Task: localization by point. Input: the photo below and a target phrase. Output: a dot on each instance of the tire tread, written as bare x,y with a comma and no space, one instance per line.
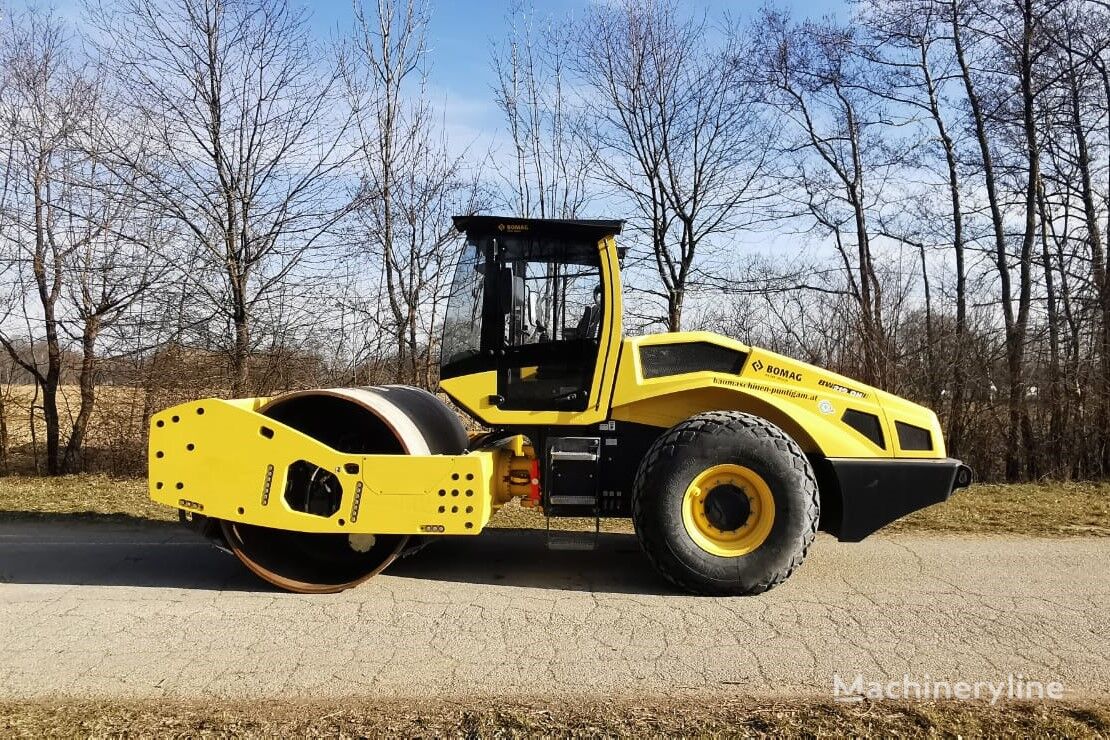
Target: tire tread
692,432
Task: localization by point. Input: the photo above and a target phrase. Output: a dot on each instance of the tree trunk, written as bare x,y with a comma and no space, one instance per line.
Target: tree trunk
48,286
868,298
50,421
1019,414
674,309
6,406
955,433
1098,273
1056,451
5,441
1014,337
932,373
240,356
874,339
74,459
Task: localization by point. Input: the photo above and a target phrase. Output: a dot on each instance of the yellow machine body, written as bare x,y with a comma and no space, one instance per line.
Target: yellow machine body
474,391
875,456
805,401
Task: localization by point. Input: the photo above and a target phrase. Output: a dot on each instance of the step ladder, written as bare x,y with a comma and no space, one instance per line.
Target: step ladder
572,474
561,539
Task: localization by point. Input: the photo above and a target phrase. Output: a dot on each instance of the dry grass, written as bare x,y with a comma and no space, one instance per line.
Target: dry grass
79,496
516,718
1050,509
1041,509
116,433
112,403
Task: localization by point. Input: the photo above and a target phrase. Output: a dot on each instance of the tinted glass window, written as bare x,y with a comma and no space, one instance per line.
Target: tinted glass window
554,301
462,324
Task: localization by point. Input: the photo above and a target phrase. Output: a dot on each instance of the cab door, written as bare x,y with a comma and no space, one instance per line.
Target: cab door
551,329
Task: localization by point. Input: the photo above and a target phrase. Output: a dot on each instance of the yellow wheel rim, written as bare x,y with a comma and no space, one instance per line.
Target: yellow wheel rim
728,510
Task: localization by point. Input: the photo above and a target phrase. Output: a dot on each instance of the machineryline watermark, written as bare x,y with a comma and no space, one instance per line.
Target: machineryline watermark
926,688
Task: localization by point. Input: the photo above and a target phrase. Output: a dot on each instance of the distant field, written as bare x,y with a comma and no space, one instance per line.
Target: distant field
1049,509
114,404
117,429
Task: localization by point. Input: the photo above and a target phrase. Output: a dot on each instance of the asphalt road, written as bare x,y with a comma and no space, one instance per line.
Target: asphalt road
111,610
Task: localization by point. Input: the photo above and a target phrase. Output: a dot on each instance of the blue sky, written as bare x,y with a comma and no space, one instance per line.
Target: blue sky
460,37
462,33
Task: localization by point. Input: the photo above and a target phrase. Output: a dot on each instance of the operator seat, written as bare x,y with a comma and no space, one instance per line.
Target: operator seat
591,318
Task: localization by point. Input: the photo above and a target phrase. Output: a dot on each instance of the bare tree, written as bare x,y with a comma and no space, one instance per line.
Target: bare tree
814,76
65,223
1009,35
678,132
1083,40
552,173
106,276
45,102
411,182
911,40
234,135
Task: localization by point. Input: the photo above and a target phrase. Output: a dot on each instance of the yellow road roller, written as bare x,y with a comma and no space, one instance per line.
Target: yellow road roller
727,458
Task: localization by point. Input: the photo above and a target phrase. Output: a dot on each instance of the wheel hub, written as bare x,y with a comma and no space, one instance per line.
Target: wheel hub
728,510
727,507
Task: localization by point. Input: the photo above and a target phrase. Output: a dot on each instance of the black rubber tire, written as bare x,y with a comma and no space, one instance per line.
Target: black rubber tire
684,451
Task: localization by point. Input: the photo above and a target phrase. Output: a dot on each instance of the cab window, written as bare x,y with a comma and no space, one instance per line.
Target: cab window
462,343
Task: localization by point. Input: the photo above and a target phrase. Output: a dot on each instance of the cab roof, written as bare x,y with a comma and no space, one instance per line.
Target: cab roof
591,229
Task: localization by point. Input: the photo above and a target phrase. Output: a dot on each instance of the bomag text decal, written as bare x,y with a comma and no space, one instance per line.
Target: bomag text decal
782,372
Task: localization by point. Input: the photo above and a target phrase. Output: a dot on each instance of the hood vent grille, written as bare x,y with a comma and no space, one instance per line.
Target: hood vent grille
866,424
661,360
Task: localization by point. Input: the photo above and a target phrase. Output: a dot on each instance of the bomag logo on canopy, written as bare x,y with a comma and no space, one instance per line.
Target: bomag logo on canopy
512,228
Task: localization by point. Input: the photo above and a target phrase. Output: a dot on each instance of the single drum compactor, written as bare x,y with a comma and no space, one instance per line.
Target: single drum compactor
727,458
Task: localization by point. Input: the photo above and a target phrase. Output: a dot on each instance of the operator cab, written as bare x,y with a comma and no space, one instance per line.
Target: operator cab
533,317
